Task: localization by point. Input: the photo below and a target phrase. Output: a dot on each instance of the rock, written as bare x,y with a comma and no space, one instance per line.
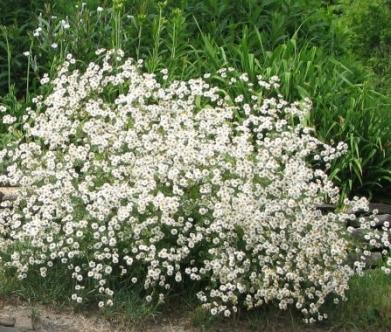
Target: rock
24,323
7,321
8,193
358,233
374,259
353,223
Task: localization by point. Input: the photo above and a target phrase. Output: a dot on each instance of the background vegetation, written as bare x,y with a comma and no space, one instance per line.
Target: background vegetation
335,52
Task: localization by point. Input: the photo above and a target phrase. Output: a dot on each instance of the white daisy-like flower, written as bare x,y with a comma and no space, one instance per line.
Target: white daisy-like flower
166,185
65,24
8,119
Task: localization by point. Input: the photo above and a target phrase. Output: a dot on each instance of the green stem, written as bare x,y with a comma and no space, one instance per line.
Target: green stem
156,37
28,71
4,29
173,47
139,42
117,30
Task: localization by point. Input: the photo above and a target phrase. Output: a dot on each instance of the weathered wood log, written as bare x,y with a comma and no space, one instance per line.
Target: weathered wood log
326,207
8,193
381,207
381,219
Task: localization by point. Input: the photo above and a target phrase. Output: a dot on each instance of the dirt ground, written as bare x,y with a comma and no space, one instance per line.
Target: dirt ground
22,317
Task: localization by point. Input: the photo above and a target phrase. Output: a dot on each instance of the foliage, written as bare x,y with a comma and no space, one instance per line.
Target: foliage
370,36
300,41
369,305
127,177
16,22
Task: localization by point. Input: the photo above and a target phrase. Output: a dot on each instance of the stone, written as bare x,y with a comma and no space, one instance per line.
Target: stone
7,321
8,193
374,259
358,233
24,323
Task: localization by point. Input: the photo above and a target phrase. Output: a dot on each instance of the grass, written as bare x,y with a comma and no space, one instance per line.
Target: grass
369,304
368,307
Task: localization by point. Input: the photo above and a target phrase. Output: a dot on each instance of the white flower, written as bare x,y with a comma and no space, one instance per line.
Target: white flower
99,9
65,24
45,79
100,51
26,53
54,45
8,119
37,32
161,171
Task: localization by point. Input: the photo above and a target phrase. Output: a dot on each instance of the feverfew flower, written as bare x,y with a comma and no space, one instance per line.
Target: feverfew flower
161,171
8,119
45,79
65,24
37,32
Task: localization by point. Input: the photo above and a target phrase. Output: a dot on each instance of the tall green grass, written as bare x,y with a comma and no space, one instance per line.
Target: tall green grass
17,19
307,43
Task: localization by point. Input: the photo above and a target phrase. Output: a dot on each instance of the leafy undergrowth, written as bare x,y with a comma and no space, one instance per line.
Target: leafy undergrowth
368,307
335,52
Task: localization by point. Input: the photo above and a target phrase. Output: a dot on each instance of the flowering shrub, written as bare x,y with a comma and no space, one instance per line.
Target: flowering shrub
124,175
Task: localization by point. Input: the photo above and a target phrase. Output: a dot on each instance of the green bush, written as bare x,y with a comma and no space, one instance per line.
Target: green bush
129,177
370,36
307,42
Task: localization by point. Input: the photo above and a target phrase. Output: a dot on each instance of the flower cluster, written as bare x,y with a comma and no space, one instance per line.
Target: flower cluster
124,174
